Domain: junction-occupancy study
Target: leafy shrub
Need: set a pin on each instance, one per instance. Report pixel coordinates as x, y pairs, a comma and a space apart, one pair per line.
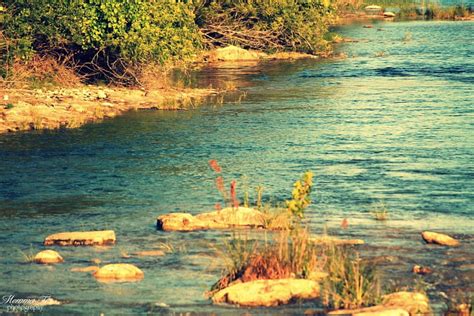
105, 37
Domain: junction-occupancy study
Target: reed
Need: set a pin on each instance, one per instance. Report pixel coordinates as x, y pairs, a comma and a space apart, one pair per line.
351, 283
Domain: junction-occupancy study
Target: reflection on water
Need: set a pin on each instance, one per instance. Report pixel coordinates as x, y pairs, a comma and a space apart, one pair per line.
396, 129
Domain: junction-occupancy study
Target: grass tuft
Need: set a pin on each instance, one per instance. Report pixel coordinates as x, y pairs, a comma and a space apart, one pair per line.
380, 212
351, 283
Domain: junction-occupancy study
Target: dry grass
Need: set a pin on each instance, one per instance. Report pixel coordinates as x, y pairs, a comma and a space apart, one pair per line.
154, 77
288, 254
351, 283
40, 71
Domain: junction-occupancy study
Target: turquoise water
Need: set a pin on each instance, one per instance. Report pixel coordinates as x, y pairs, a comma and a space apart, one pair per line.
396, 129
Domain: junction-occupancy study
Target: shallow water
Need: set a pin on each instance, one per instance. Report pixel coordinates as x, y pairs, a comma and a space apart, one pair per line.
396, 129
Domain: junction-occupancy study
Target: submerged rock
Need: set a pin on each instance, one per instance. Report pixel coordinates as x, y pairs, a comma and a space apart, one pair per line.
85, 269
119, 272
395, 304
48, 256
336, 241
90, 238
225, 218
440, 239
150, 253
267, 292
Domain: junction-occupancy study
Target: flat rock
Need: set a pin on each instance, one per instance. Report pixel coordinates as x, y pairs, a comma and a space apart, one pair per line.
335, 241
223, 219
438, 238
267, 292
85, 269
395, 304
48, 256
119, 272
413, 302
90, 238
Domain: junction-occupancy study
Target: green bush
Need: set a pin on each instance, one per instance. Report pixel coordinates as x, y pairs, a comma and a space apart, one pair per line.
109, 35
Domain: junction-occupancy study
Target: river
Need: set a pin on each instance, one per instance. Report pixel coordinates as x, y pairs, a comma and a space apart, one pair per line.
392, 123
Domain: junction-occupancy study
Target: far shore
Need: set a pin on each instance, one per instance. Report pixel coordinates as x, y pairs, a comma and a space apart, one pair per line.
71, 107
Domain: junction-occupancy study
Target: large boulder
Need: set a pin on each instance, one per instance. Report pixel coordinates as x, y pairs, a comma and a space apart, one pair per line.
440, 239
226, 218
268, 292
118, 272
91, 238
48, 256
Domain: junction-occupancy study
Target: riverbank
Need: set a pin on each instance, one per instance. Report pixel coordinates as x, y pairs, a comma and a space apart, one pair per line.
71, 107
400, 10
34, 109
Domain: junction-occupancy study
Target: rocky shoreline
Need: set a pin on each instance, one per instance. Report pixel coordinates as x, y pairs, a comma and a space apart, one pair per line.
23, 109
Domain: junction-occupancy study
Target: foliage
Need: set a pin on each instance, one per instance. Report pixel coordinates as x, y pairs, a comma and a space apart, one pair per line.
351, 283
105, 36
114, 39
297, 25
300, 195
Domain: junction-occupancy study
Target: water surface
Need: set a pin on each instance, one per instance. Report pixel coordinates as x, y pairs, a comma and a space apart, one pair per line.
391, 123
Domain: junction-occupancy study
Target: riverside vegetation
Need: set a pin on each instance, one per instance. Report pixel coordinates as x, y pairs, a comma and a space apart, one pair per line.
118, 41
61, 45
